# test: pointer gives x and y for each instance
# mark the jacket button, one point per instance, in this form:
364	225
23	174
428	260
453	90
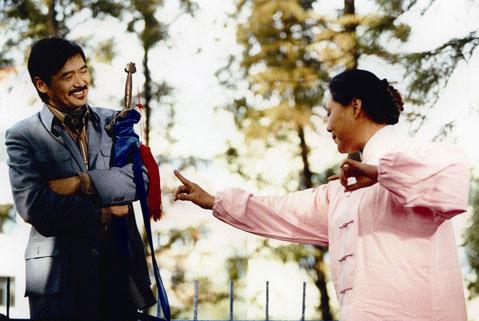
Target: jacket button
94	252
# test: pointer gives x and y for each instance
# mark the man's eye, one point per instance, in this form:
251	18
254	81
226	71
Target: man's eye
69	77
84	71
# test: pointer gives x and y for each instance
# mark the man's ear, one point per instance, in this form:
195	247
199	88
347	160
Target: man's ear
357	106
40	85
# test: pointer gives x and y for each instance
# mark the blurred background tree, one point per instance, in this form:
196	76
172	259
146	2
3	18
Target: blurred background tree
7	215
472	242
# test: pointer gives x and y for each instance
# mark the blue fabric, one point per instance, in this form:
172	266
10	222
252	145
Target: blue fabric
126	149
126	140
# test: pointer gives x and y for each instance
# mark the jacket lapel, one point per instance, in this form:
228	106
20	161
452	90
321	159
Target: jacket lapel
46	117
61	136
94	137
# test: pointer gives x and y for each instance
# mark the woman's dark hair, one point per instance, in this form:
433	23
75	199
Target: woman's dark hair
48	56
381	101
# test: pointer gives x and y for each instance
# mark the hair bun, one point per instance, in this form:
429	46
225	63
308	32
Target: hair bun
394	93
396	96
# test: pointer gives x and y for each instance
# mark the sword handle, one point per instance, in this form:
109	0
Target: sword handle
130	69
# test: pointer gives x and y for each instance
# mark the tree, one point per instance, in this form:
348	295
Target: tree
430	72
25	21
472	242
6	215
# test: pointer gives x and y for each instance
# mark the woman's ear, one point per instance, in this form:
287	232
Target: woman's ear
357	106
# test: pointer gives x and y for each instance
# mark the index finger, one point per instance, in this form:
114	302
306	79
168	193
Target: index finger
181	178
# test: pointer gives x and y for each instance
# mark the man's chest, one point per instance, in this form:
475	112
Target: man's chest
58	155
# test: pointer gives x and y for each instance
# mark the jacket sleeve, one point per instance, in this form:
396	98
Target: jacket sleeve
115	185
50	213
300	217
434	178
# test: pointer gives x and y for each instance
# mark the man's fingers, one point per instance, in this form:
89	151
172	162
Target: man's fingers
119	210
181	178
183	197
180	190
333	178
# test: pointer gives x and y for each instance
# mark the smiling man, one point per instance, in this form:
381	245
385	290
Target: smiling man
85	257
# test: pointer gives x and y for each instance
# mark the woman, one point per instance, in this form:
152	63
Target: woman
385	219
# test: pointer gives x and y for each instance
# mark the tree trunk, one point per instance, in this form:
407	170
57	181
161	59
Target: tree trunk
349	9
52	23
306	175
147	96
350	28
321	282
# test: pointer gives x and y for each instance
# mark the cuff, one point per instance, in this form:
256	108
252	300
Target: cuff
87	186
105	218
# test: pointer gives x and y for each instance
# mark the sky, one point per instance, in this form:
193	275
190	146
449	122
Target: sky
199	47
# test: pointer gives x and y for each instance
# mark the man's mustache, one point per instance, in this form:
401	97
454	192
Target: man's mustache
75	90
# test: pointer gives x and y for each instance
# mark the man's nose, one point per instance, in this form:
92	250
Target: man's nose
79	81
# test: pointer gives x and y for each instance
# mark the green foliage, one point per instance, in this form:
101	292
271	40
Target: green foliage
177	247
105	50
472	242
237	266
289	52
6	215
429	71
25	21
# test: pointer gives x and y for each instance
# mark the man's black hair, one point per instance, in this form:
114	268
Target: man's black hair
48	56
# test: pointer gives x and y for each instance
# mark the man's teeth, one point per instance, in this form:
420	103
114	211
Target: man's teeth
79	93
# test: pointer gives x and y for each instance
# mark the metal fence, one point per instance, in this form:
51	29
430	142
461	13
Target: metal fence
195	306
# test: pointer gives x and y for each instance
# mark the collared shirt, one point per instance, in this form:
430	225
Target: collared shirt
80	137
392	248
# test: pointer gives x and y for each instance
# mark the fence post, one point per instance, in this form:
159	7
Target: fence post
195	301
231	299
267	301
8	297
303	308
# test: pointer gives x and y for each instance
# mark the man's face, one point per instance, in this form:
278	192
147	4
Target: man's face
69	86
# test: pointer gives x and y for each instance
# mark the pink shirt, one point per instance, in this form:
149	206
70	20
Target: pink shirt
392	248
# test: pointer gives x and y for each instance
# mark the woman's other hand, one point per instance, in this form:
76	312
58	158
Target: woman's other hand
190	191
365	175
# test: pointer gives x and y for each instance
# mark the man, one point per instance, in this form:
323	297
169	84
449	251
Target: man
85	257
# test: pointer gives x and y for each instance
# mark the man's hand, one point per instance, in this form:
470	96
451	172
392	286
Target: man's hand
190	191
365	174
66	186
119	210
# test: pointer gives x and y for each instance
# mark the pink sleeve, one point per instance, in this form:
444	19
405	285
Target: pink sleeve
300	217
436	179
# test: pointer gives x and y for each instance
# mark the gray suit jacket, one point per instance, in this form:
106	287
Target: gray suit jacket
62	252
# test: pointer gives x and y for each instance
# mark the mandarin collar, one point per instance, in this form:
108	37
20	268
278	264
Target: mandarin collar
382	142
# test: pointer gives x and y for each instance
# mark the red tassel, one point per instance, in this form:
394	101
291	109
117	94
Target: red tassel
154	190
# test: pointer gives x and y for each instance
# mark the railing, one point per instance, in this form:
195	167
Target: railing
195	306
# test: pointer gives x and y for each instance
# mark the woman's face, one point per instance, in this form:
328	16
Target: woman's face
343	125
